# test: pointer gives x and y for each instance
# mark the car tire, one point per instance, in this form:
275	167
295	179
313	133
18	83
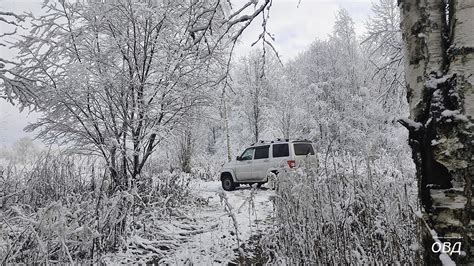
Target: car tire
227	183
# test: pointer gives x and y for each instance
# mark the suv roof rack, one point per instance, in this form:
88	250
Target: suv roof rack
270	141
302	140
279	140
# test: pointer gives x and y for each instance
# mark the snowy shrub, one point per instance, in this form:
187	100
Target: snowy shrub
207	167
169	189
54	233
60	209
49	211
351	210
23	151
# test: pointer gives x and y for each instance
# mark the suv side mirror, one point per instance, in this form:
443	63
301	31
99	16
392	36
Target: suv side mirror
238	158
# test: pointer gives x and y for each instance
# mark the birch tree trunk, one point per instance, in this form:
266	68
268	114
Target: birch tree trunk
225	117
439	67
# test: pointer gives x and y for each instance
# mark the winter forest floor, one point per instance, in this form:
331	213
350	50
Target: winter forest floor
206	234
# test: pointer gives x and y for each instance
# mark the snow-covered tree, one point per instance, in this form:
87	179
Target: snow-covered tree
383	43
10	22
252	85
332	89
113	78
439	66
283	108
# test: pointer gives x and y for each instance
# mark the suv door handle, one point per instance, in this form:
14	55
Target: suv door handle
266	160
249	162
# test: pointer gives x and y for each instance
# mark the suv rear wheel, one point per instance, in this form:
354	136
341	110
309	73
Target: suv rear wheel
227	182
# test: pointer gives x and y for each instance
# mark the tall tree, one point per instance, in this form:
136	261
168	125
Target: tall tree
254	91
332	88
114	77
383	43
439	73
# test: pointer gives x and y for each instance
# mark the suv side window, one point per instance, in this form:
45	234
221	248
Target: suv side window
261	152
247	154
303	149
280	150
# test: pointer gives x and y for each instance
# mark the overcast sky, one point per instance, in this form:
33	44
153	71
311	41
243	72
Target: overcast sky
293	26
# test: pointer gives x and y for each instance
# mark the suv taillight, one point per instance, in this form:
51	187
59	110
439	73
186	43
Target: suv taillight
291	163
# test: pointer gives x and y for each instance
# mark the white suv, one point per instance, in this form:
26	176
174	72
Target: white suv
261	159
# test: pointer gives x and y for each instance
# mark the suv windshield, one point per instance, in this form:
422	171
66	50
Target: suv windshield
247	154
303	149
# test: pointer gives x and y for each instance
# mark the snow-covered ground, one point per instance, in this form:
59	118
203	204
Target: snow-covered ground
245	210
208	234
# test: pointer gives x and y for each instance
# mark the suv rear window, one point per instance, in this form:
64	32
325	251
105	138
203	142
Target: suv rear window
280	150
261	152
303	148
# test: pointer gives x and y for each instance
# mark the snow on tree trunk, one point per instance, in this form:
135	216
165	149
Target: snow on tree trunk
439	66
226	129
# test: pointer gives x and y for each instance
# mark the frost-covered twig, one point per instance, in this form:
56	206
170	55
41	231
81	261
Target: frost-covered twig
230	212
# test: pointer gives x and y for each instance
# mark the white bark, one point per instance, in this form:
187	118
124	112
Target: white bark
227	134
414	58
434	30
440	87
462	63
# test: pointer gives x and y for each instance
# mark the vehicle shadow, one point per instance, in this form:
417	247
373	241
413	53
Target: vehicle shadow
247	187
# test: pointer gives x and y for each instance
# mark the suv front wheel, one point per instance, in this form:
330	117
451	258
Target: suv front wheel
227	182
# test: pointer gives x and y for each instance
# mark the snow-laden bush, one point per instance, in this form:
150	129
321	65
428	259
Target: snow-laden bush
207	167
164	188
349	211
60	209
